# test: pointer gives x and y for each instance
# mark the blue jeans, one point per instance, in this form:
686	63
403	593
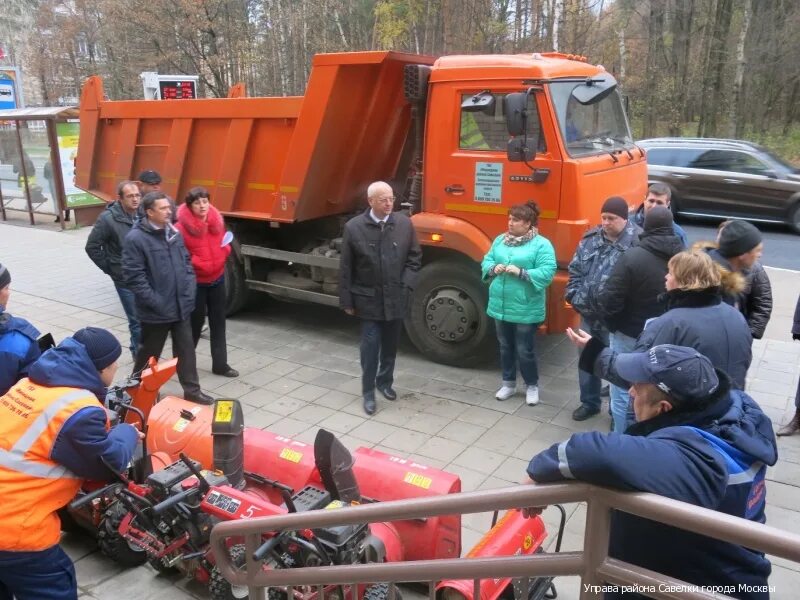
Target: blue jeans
127	299
621	407
44	575
518	346
591	385
378	353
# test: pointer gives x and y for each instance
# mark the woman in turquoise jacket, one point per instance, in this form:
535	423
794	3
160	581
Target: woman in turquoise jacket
520	265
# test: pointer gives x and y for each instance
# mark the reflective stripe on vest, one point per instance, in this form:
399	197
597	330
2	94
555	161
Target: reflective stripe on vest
14	459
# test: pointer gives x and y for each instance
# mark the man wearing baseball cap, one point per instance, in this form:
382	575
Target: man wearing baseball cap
150	181
55	434
696	439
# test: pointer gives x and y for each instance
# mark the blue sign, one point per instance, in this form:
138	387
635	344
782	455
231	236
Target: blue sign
488	182
8	96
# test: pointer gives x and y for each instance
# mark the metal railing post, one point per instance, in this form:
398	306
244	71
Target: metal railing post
251	543
595	544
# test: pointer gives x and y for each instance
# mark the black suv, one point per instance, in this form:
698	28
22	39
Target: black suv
725	178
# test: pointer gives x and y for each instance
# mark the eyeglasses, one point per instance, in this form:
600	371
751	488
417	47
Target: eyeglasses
132	196
389	200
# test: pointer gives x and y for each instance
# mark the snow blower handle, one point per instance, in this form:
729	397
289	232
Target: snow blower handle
88	498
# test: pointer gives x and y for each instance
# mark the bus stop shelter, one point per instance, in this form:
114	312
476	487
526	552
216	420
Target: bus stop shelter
13	152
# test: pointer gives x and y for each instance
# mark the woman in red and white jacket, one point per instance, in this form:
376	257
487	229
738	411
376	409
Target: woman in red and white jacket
203	230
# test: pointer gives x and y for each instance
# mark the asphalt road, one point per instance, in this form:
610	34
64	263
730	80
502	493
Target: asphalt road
781	245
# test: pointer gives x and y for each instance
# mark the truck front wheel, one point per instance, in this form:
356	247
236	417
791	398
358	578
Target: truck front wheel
447	319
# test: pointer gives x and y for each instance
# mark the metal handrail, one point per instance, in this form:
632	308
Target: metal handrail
593	564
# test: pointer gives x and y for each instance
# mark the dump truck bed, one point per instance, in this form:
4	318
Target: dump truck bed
282	159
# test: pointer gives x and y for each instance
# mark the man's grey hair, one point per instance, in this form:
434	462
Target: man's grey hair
376	187
660	189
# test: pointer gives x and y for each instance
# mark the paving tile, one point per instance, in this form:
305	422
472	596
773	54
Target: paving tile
259	397
463	432
331	380
284	405
441	449
233	389
306	374
427	423
259	377
479	459
289	427
512	469
335	399
394	413
262	419
307	392
312	414
374	431
284	385
477	415
404	441
341	422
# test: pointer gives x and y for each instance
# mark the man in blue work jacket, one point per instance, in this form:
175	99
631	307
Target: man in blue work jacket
696	439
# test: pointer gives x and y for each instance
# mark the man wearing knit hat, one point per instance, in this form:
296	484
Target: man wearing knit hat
18	347
55	434
596	255
739	246
631	295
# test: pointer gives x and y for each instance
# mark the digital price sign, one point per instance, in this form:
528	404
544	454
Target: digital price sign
177	90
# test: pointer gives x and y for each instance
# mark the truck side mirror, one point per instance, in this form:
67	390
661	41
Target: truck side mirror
594	89
522	149
481	102
516	110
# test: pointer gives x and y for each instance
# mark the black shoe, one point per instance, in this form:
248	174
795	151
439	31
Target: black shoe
227	372
388	392
199	398
369	403
583	412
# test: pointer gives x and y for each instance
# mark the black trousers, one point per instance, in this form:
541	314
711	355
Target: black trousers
210	299
154	336
378	352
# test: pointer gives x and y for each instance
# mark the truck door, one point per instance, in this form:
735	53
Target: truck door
467	174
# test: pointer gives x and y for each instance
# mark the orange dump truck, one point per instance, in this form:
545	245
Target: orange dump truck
460	138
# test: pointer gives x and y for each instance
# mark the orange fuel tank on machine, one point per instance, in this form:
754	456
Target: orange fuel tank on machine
176	425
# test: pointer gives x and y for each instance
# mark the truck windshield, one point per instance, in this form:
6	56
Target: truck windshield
593	128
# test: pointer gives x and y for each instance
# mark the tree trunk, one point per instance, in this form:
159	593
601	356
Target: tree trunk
734	111
716	66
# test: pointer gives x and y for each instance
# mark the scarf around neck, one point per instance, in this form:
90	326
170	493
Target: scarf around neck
519	240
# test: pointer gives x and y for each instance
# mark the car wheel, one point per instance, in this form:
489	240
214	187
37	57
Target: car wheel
794	218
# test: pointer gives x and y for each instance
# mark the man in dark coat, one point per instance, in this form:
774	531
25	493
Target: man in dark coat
104	247
595	257
695	440
157	268
793	426
739	246
378	269
631	293
18	346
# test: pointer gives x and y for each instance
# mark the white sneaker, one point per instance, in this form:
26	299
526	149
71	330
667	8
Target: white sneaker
532	395
509	389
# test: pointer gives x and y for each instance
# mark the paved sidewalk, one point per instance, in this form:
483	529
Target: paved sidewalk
299	371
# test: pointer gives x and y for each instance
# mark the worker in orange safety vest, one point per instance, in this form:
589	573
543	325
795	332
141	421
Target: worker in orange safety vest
54	433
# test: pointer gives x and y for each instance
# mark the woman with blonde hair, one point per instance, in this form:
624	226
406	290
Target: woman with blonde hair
696	317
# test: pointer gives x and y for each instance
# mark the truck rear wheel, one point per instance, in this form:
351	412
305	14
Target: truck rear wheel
235	286
447	320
